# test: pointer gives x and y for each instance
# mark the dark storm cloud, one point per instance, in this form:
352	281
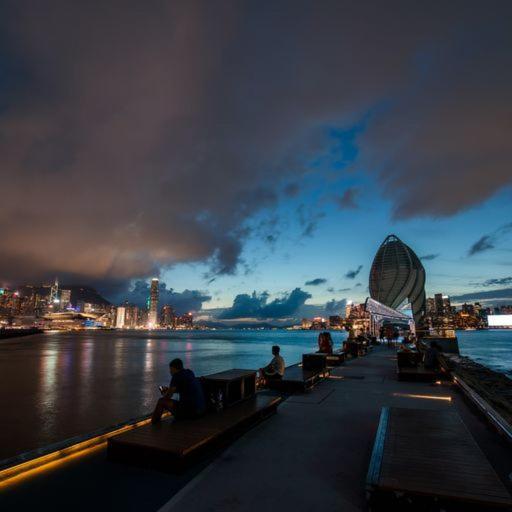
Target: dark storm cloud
335	306
501	281
488	242
308	219
352	274
429	257
503	293
138	135
482	244
316	282
347	201
182	302
257	305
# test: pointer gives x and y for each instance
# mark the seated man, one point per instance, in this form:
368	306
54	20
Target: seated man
191	403
275	369
431	357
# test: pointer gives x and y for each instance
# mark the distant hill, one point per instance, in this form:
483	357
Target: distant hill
79	292
243	325
86	294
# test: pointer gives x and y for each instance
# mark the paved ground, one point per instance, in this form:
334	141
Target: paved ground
315	452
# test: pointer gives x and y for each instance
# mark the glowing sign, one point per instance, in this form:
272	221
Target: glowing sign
499	320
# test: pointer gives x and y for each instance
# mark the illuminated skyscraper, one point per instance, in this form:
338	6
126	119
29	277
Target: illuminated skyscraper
153	304
120	317
397	274
65	299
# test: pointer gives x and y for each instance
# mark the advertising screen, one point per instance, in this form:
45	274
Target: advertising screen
499	320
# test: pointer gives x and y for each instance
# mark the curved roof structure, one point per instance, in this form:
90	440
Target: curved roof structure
397	274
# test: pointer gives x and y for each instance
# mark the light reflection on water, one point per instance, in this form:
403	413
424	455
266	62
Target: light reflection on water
58	385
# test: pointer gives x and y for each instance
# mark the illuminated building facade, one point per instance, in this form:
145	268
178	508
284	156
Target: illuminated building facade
185	321
396	275
120	317
153	304
65	299
168	318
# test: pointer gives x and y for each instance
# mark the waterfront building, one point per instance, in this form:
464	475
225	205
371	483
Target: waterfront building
335	322
65	299
318	323
397	275
185	321
120	317
306	323
168	318
131	316
348	308
153	304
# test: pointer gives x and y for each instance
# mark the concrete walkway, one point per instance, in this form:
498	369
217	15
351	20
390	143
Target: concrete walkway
315	452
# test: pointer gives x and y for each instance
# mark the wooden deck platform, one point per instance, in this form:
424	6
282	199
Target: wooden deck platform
171	444
416	374
296	379
429	457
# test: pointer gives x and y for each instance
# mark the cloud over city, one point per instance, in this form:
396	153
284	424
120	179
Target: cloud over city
182	302
352	274
257	306
489	241
316	282
136	137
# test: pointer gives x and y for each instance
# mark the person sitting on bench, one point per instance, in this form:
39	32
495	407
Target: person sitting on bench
275	369
325	343
183	381
430	359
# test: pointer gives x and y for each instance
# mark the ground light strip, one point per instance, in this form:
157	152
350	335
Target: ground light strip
55	458
428	397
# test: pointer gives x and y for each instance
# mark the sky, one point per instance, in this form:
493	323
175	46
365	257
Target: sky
254	155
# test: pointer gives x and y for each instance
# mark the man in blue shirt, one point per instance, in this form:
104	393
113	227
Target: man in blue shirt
183	381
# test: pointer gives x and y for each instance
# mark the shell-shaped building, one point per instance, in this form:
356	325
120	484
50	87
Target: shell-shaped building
397	274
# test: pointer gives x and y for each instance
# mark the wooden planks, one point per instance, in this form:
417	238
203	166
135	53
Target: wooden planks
296	379
431	454
167	444
416	374
236	385
229	375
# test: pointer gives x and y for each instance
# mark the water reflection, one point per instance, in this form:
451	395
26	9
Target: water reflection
47	396
88	381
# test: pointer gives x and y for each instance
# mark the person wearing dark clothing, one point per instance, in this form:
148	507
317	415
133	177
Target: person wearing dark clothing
325	343
183	381
431	356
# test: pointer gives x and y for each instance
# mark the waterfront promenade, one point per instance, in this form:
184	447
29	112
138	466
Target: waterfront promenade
314	453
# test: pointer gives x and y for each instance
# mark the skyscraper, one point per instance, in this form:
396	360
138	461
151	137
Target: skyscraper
153	304
65	299
120	317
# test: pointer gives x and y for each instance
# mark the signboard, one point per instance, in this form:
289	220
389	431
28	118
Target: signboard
499	320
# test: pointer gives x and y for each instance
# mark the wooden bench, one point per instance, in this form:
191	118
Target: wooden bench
321	360
172	445
428	458
416	373
235	385
296	379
